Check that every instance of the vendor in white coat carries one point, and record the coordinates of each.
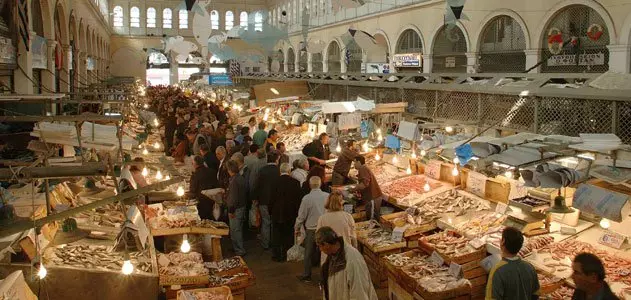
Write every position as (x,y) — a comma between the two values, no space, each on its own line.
(344,273)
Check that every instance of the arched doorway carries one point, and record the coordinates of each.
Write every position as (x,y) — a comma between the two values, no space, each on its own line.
(333,57)
(408,52)
(449,50)
(575,41)
(280,58)
(291,61)
(316,62)
(303,62)
(62,38)
(502,46)
(353,57)
(39,47)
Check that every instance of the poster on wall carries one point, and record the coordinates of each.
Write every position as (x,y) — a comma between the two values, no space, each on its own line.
(38,50)
(412,60)
(450,62)
(375,68)
(90,63)
(219,79)
(585,59)
(7,51)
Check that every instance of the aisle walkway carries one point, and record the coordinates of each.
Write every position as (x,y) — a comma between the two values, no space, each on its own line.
(278,281)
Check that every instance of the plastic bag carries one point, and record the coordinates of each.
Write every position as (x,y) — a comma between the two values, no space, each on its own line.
(255,216)
(216,211)
(296,253)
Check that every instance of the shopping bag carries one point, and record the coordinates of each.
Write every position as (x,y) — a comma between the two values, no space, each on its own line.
(216,211)
(296,253)
(255,216)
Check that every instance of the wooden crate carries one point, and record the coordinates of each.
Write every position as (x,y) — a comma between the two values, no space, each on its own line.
(496,189)
(242,269)
(445,173)
(222,290)
(398,220)
(172,293)
(460,259)
(189,230)
(394,271)
(397,292)
(241,282)
(463,292)
(183,280)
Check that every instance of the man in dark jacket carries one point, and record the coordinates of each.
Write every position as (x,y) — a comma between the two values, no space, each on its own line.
(589,276)
(209,160)
(235,202)
(266,189)
(222,172)
(344,163)
(202,178)
(284,210)
(317,151)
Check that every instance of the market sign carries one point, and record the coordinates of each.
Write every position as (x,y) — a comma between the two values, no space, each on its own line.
(407,60)
(450,62)
(601,202)
(375,68)
(219,79)
(586,59)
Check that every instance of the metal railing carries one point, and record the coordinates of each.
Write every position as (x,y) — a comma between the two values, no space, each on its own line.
(537,106)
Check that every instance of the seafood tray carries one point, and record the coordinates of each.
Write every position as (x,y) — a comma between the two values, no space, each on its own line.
(452,247)
(400,219)
(428,280)
(481,226)
(563,292)
(235,282)
(96,257)
(216,293)
(380,240)
(529,203)
(548,283)
(404,187)
(229,266)
(182,269)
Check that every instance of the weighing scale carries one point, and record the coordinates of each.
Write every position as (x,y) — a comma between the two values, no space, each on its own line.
(531,224)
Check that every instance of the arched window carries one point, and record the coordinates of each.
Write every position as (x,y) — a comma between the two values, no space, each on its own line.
(183,19)
(449,50)
(118,16)
(214,20)
(151,17)
(134,17)
(333,56)
(258,21)
(409,42)
(167,18)
(229,20)
(243,20)
(502,46)
(291,61)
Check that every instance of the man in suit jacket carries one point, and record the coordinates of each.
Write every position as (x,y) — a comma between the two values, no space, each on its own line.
(266,188)
(222,173)
(202,178)
(284,210)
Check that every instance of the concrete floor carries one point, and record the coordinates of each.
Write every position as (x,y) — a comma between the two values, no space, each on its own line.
(275,280)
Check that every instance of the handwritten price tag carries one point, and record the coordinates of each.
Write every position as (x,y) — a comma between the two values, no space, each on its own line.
(477,243)
(612,240)
(432,169)
(476,183)
(501,208)
(455,270)
(397,234)
(436,259)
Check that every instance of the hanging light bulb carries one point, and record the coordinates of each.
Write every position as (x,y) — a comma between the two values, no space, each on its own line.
(265,117)
(365,146)
(377,157)
(139,146)
(180,191)
(159,175)
(235,106)
(286,123)
(145,172)
(155,122)
(408,171)
(423,152)
(156,145)
(395,160)
(413,154)
(456,160)
(378,130)
(145,152)
(146,106)
(508,174)
(604,223)
(449,129)
(267,110)
(454,172)
(380,138)
(426,187)
(42,272)
(128,268)
(185,247)
(338,149)
(167,177)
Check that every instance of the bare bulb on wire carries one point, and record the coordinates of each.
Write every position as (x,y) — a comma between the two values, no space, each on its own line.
(155,122)
(449,129)
(145,172)
(454,171)
(508,174)
(185,247)
(408,171)
(379,137)
(146,106)
(159,175)
(413,155)
(456,160)
(180,191)
(167,177)
(156,146)
(604,223)
(145,152)
(42,272)
(423,153)
(395,160)
(366,149)
(128,267)
(338,149)
(426,187)
(377,157)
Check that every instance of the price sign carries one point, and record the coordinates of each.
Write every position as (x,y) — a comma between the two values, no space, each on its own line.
(348,208)
(612,239)
(436,259)
(501,208)
(476,243)
(397,234)
(568,230)
(476,183)
(432,169)
(455,270)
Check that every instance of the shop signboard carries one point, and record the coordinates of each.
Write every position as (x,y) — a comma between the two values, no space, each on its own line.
(375,68)
(450,62)
(219,79)
(412,60)
(585,59)
(591,59)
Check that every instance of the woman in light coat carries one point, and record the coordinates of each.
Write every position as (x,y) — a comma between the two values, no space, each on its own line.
(336,218)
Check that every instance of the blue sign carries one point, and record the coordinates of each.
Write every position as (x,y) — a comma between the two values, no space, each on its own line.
(219,79)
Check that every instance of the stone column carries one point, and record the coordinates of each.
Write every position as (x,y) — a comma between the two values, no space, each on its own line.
(64,73)
(309,62)
(343,66)
(25,61)
(174,76)
(619,60)
(532,58)
(48,75)
(325,64)
(472,62)
(428,63)
(82,68)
